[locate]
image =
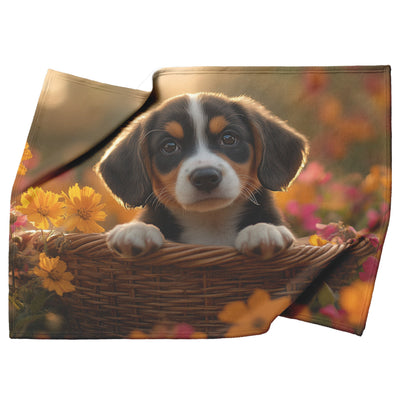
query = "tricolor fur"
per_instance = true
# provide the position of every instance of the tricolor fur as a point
(203, 165)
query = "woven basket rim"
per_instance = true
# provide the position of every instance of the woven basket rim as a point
(94, 245)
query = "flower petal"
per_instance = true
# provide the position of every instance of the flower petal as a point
(259, 298)
(233, 311)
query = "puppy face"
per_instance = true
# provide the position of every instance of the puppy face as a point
(202, 152)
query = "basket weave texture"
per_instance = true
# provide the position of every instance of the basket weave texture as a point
(179, 283)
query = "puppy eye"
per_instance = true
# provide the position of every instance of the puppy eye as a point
(228, 139)
(169, 147)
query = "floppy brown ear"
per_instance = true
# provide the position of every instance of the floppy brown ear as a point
(280, 150)
(123, 170)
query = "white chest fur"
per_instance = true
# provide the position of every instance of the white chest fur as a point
(213, 228)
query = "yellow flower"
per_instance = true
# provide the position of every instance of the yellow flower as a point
(168, 331)
(42, 208)
(302, 192)
(254, 317)
(379, 178)
(316, 240)
(53, 272)
(136, 334)
(83, 210)
(355, 300)
(26, 156)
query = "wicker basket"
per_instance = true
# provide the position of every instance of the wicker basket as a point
(179, 283)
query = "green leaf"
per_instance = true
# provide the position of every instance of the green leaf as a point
(325, 296)
(39, 300)
(22, 324)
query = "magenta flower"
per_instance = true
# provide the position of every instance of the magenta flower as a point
(354, 194)
(293, 208)
(373, 217)
(183, 331)
(336, 232)
(338, 317)
(17, 220)
(305, 213)
(332, 312)
(385, 211)
(308, 218)
(370, 269)
(314, 173)
(327, 232)
(373, 240)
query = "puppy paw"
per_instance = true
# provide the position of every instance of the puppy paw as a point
(263, 239)
(134, 238)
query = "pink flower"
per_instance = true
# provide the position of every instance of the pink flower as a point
(370, 269)
(338, 317)
(293, 208)
(332, 312)
(305, 213)
(308, 217)
(327, 232)
(351, 231)
(17, 221)
(373, 218)
(336, 232)
(385, 211)
(354, 194)
(373, 240)
(315, 173)
(183, 331)
(384, 208)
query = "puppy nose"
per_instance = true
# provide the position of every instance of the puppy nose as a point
(205, 179)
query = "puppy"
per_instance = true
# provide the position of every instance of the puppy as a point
(203, 165)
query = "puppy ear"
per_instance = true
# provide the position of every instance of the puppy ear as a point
(280, 150)
(123, 169)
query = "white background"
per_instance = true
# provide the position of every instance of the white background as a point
(122, 43)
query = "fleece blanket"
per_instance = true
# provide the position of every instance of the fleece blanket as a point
(66, 281)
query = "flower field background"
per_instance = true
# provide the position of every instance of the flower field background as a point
(343, 191)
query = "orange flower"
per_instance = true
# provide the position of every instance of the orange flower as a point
(355, 300)
(136, 334)
(168, 331)
(314, 81)
(330, 109)
(303, 193)
(42, 208)
(53, 272)
(354, 129)
(316, 240)
(83, 210)
(378, 179)
(26, 156)
(255, 317)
